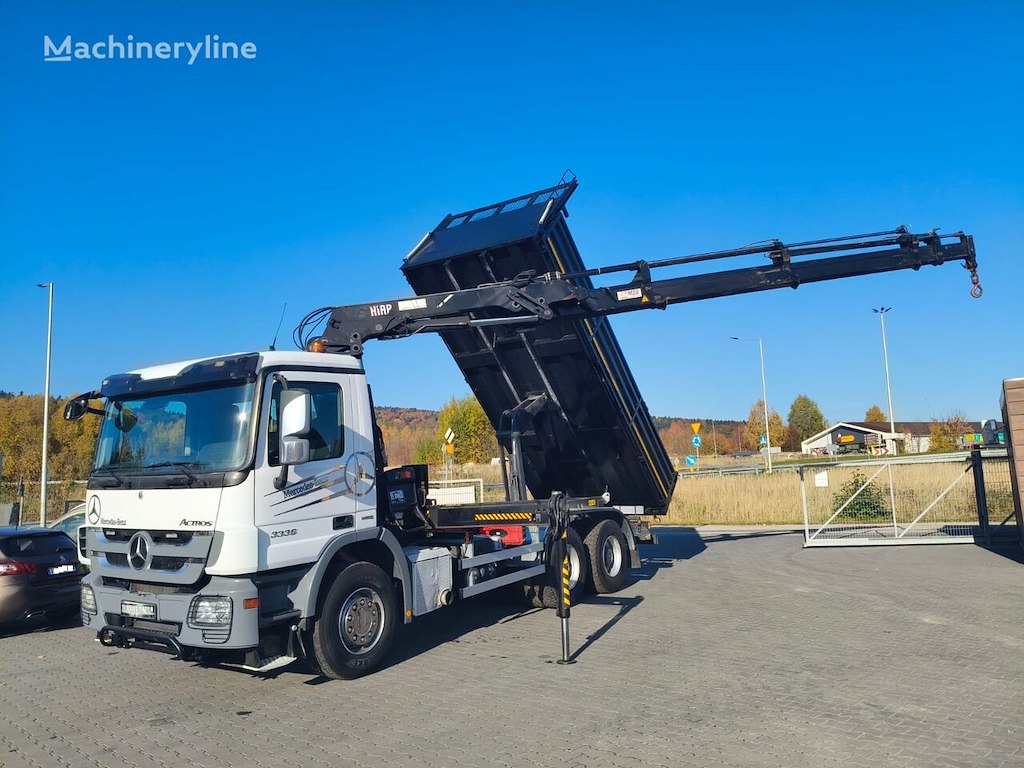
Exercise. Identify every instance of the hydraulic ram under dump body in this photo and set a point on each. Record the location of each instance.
(562, 385)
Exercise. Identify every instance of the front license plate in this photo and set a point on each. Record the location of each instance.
(138, 610)
(57, 570)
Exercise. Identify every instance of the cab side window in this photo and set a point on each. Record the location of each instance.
(327, 428)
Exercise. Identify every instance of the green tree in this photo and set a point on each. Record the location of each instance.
(875, 415)
(946, 434)
(475, 440)
(427, 451)
(871, 503)
(755, 427)
(805, 419)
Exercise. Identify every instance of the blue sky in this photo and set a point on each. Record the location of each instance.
(177, 207)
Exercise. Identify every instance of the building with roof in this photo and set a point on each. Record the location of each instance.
(908, 437)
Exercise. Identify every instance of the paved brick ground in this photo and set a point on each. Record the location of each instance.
(734, 649)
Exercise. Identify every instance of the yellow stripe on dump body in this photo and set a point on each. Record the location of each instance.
(615, 385)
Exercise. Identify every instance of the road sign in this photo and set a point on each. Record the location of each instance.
(449, 436)
(696, 426)
(696, 441)
(764, 440)
(691, 460)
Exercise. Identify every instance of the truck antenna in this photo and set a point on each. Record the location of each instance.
(273, 344)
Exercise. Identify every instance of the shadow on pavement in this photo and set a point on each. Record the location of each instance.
(1008, 549)
(40, 624)
(675, 543)
(502, 607)
(625, 605)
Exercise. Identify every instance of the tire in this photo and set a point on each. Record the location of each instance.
(544, 594)
(353, 633)
(607, 556)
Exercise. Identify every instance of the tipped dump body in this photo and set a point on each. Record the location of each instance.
(594, 433)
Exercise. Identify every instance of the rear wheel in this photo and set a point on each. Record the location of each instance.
(607, 552)
(356, 625)
(544, 594)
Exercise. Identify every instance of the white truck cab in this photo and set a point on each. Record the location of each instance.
(235, 507)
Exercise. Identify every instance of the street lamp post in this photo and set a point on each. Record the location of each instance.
(888, 387)
(46, 406)
(764, 400)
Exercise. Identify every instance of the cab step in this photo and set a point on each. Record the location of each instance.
(267, 665)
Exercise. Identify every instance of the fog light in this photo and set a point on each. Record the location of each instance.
(88, 599)
(210, 612)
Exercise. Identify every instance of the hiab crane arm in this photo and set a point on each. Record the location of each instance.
(531, 298)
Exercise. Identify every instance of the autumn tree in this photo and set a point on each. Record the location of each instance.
(69, 446)
(475, 440)
(805, 419)
(875, 415)
(945, 434)
(677, 438)
(755, 427)
(404, 430)
(427, 451)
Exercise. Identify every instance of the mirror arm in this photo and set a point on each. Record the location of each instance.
(282, 479)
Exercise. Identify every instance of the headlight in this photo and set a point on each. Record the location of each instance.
(88, 599)
(210, 612)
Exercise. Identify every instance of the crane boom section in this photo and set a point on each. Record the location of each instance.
(532, 298)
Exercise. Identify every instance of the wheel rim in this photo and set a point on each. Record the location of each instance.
(361, 621)
(611, 556)
(574, 567)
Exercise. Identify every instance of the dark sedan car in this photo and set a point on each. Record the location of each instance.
(39, 574)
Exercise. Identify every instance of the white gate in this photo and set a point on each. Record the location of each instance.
(904, 500)
(454, 492)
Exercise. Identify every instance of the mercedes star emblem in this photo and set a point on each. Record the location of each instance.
(138, 551)
(94, 510)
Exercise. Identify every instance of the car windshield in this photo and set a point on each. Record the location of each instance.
(202, 430)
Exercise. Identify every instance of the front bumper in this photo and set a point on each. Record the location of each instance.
(173, 624)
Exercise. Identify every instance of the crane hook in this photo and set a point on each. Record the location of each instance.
(976, 290)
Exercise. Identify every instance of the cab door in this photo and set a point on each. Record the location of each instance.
(329, 494)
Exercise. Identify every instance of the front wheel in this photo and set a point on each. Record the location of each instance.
(356, 625)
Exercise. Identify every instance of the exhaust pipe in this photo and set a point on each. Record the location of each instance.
(445, 598)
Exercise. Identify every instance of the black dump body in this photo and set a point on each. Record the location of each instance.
(593, 432)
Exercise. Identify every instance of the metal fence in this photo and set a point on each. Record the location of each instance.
(904, 500)
(998, 516)
(61, 495)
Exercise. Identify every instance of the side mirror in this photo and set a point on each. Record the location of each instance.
(76, 409)
(125, 420)
(294, 450)
(296, 406)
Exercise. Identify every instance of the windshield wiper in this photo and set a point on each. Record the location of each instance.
(183, 466)
(113, 480)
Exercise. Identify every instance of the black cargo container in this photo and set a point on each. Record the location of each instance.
(595, 433)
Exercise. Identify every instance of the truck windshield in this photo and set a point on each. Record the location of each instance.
(203, 430)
